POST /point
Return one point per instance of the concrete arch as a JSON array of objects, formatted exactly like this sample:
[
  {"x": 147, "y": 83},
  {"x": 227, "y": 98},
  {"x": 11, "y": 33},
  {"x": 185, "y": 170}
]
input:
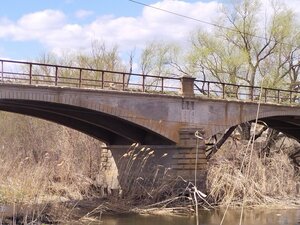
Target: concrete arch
[
  {"x": 285, "y": 119},
  {"x": 107, "y": 128},
  {"x": 145, "y": 116}
]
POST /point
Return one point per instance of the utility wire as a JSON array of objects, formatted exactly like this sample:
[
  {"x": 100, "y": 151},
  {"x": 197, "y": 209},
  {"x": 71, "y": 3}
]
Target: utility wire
[
  {"x": 208, "y": 23},
  {"x": 181, "y": 15}
]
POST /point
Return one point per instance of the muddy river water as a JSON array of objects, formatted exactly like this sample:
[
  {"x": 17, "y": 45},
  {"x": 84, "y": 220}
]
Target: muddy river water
[{"x": 213, "y": 217}]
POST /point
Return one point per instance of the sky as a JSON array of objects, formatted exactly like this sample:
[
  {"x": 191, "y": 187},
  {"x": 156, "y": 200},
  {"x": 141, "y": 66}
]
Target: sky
[{"x": 33, "y": 27}]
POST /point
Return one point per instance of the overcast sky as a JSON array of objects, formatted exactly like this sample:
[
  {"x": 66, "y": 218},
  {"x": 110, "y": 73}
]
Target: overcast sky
[{"x": 29, "y": 28}]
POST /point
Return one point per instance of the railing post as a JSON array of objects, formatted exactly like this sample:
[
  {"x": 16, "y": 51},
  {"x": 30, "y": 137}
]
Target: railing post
[
  {"x": 290, "y": 96},
  {"x": 162, "y": 85},
  {"x": 187, "y": 86},
  {"x": 143, "y": 83},
  {"x": 2, "y": 65},
  {"x": 208, "y": 90},
  {"x": 102, "y": 79},
  {"x": 223, "y": 90},
  {"x": 266, "y": 94},
  {"x": 80, "y": 77},
  {"x": 252, "y": 93},
  {"x": 278, "y": 96},
  {"x": 56, "y": 75},
  {"x": 30, "y": 73},
  {"x": 123, "y": 81}
]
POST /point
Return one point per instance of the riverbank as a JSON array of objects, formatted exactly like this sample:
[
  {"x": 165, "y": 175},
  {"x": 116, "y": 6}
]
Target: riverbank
[{"x": 96, "y": 210}]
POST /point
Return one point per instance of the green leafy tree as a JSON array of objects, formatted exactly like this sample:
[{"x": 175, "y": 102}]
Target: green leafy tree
[
  {"x": 100, "y": 57},
  {"x": 159, "y": 59},
  {"x": 248, "y": 50}
]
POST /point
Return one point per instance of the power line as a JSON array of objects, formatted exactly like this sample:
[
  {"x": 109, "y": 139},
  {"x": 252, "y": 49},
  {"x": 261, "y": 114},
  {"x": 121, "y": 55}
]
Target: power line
[
  {"x": 180, "y": 15},
  {"x": 206, "y": 22}
]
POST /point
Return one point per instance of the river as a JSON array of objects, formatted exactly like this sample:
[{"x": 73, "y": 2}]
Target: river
[{"x": 213, "y": 217}]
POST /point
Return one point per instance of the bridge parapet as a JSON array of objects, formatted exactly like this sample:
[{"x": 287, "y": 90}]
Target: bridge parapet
[{"x": 32, "y": 73}]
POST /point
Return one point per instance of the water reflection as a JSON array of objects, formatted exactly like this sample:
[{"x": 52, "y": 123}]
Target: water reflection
[{"x": 251, "y": 217}]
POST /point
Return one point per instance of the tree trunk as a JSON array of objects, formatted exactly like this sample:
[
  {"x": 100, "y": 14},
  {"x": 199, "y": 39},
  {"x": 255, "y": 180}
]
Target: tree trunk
[
  {"x": 271, "y": 141},
  {"x": 296, "y": 158},
  {"x": 218, "y": 145},
  {"x": 245, "y": 131}
]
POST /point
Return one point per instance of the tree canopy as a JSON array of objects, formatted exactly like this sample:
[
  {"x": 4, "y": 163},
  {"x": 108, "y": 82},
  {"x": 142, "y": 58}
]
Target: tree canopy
[{"x": 250, "y": 46}]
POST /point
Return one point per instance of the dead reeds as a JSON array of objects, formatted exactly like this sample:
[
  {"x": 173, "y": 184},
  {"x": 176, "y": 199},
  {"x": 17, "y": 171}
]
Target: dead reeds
[
  {"x": 270, "y": 180},
  {"x": 142, "y": 179},
  {"x": 41, "y": 163}
]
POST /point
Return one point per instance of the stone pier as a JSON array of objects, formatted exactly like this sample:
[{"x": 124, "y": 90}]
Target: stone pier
[
  {"x": 190, "y": 158},
  {"x": 178, "y": 160}
]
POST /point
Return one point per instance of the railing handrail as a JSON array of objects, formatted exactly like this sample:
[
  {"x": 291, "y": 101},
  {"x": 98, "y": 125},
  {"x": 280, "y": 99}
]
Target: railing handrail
[
  {"x": 140, "y": 74},
  {"x": 87, "y": 69},
  {"x": 246, "y": 86}
]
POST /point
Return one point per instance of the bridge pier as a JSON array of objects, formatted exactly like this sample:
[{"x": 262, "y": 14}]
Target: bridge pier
[
  {"x": 189, "y": 161},
  {"x": 168, "y": 162}
]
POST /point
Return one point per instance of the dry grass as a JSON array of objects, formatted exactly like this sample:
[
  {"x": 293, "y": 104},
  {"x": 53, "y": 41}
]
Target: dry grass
[
  {"x": 143, "y": 181},
  {"x": 42, "y": 162},
  {"x": 148, "y": 188},
  {"x": 235, "y": 178}
]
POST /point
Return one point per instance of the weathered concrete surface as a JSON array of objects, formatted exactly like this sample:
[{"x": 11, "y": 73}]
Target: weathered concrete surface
[{"x": 153, "y": 119}]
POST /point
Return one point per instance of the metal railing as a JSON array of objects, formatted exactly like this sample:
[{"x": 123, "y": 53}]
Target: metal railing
[
  {"x": 229, "y": 91},
  {"x": 32, "y": 73},
  {"x": 20, "y": 72}
]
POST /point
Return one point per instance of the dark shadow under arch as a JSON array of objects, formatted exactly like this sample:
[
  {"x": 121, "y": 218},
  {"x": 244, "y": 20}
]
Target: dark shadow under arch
[{"x": 289, "y": 125}]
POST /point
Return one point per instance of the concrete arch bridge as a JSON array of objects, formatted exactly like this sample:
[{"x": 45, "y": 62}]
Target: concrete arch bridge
[{"x": 163, "y": 112}]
